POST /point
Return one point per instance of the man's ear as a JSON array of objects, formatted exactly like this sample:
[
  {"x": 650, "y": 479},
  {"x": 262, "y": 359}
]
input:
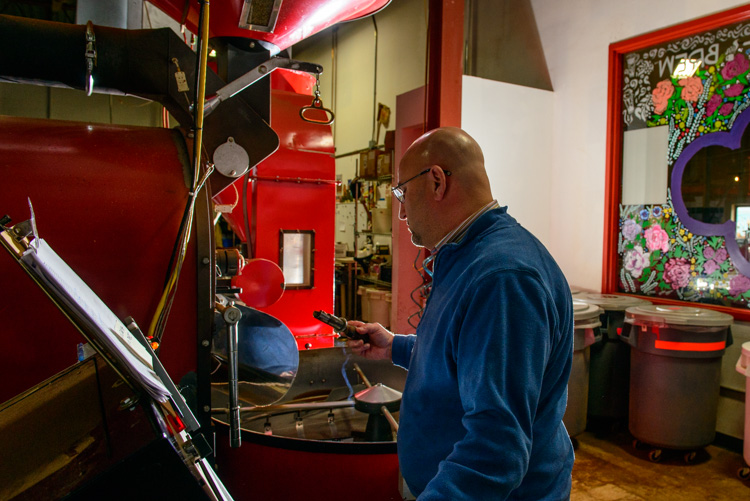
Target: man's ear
[{"x": 439, "y": 183}]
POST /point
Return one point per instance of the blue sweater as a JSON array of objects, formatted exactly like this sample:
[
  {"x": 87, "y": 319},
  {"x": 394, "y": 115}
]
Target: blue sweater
[{"x": 481, "y": 415}]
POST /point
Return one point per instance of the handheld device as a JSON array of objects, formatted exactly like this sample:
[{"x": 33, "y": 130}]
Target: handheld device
[{"x": 339, "y": 325}]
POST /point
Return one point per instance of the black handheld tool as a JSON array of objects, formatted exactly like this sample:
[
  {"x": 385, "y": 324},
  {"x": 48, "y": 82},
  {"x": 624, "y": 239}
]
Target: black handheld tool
[{"x": 339, "y": 325}]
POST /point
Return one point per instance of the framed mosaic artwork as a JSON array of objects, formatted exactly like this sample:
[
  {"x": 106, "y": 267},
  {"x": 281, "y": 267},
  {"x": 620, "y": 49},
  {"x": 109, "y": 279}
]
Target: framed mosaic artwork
[{"x": 677, "y": 215}]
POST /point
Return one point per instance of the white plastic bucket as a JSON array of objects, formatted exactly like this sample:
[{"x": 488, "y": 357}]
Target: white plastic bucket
[
  {"x": 743, "y": 367},
  {"x": 380, "y": 306},
  {"x": 362, "y": 293}
]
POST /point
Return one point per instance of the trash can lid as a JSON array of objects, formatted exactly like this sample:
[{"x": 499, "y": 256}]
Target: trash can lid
[
  {"x": 611, "y": 302},
  {"x": 678, "y": 315},
  {"x": 585, "y": 311}
]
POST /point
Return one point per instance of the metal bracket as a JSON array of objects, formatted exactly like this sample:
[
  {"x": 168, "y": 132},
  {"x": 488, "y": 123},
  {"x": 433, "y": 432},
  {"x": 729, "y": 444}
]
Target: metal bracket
[
  {"x": 252, "y": 76},
  {"x": 23, "y": 229},
  {"x": 90, "y": 55}
]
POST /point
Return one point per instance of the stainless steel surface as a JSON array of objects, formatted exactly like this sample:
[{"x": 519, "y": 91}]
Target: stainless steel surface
[
  {"x": 267, "y": 355},
  {"x": 316, "y": 421},
  {"x": 319, "y": 405}
]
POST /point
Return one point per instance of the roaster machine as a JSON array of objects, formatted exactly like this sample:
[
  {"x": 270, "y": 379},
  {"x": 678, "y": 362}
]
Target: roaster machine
[{"x": 113, "y": 202}]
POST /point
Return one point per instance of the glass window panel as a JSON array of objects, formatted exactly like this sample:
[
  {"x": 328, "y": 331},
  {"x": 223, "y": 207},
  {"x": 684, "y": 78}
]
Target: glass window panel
[{"x": 296, "y": 256}]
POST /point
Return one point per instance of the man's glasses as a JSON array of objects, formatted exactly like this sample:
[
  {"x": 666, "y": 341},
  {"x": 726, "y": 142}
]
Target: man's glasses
[{"x": 398, "y": 190}]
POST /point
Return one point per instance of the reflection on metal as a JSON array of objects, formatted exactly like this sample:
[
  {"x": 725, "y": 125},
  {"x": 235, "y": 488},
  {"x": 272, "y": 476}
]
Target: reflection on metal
[{"x": 268, "y": 357}]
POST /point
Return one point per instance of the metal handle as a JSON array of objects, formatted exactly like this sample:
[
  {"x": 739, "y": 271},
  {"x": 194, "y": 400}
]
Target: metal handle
[
  {"x": 232, "y": 315},
  {"x": 317, "y": 104}
]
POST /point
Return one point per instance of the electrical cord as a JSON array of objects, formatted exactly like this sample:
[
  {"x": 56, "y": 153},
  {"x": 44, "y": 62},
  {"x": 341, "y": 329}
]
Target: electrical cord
[
  {"x": 423, "y": 288},
  {"x": 158, "y": 322}
]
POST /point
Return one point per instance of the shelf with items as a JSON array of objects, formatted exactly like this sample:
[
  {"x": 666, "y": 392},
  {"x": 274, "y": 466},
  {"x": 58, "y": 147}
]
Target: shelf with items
[{"x": 372, "y": 234}]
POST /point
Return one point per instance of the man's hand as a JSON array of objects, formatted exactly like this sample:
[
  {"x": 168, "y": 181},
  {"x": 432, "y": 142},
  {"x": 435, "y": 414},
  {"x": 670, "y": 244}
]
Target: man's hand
[{"x": 379, "y": 347}]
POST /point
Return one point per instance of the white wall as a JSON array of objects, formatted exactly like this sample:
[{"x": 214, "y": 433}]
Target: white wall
[
  {"x": 576, "y": 35},
  {"x": 512, "y": 125},
  {"x": 402, "y": 35}
]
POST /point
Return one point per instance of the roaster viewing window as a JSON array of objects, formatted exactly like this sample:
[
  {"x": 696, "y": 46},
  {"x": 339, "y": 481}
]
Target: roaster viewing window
[{"x": 297, "y": 258}]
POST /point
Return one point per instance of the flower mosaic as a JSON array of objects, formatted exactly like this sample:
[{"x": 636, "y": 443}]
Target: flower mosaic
[
  {"x": 660, "y": 257},
  {"x": 709, "y": 101}
]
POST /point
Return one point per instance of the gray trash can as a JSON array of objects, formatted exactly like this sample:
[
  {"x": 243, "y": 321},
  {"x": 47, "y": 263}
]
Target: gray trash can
[
  {"x": 675, "y": 367},
  {"x": 586, "y": 333},
  {"x": 609, "y": 373}
]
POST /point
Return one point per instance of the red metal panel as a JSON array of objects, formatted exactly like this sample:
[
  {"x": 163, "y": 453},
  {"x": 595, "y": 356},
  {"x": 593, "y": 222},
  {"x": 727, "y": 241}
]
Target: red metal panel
[
  {"x": 109, "y": 200},
  {"x": 305, "y": 152},
  {"x": 297, "y": 20},
  {"x": 256, "y": 471}
]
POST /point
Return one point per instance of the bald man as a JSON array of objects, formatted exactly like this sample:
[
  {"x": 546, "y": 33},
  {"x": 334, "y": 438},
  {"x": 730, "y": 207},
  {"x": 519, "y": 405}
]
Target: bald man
[{"x": 481, "y": 415}]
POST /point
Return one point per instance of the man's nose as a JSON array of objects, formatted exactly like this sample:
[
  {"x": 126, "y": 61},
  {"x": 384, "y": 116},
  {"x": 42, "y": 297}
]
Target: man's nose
[{"x": 402, "y": 211}]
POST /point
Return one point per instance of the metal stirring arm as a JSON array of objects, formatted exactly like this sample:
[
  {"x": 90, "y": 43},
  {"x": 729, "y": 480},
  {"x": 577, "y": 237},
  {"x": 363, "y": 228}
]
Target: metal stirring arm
[
  {"x": 253, "y": 76},
  {"x": 232, "y": 316}
]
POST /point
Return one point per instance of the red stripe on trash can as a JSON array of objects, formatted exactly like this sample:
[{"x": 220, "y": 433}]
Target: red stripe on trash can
[{"x": 678, "y": 346}]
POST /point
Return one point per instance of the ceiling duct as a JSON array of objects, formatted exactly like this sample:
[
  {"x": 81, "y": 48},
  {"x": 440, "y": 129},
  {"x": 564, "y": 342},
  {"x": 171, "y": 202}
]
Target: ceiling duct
[
  {"x": 260, "y": 15},
  {"x": 503, "y": 44}
]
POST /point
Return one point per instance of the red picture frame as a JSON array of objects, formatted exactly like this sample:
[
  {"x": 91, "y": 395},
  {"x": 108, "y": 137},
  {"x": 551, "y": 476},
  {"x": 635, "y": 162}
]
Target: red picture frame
[{"x": 613, "y": 175}]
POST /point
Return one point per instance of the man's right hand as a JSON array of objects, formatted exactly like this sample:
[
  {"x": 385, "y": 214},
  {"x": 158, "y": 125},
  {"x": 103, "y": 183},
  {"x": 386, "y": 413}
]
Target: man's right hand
[{"x": 379, "y": 347}]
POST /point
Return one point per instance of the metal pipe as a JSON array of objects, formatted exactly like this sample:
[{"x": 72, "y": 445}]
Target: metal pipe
[
  {"x": 201, "y": 90},
  {"x": 375, "y": 85},
  {"x": 298, "y": 180},
  {"x": 357, "y": 152},
  {"x": 232, "y": 315},
  {"x": 389, "y": 417},
  {"x": 362, "y": 375},
  {"x": 308, "y": 406}
]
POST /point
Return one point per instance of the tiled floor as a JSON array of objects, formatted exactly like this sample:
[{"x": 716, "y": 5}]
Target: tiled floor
[{"x": 609, "y": 468}]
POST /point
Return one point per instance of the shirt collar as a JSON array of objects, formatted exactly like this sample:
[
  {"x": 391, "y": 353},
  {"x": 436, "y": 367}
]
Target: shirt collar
[{"x": 457, "y": 234}]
